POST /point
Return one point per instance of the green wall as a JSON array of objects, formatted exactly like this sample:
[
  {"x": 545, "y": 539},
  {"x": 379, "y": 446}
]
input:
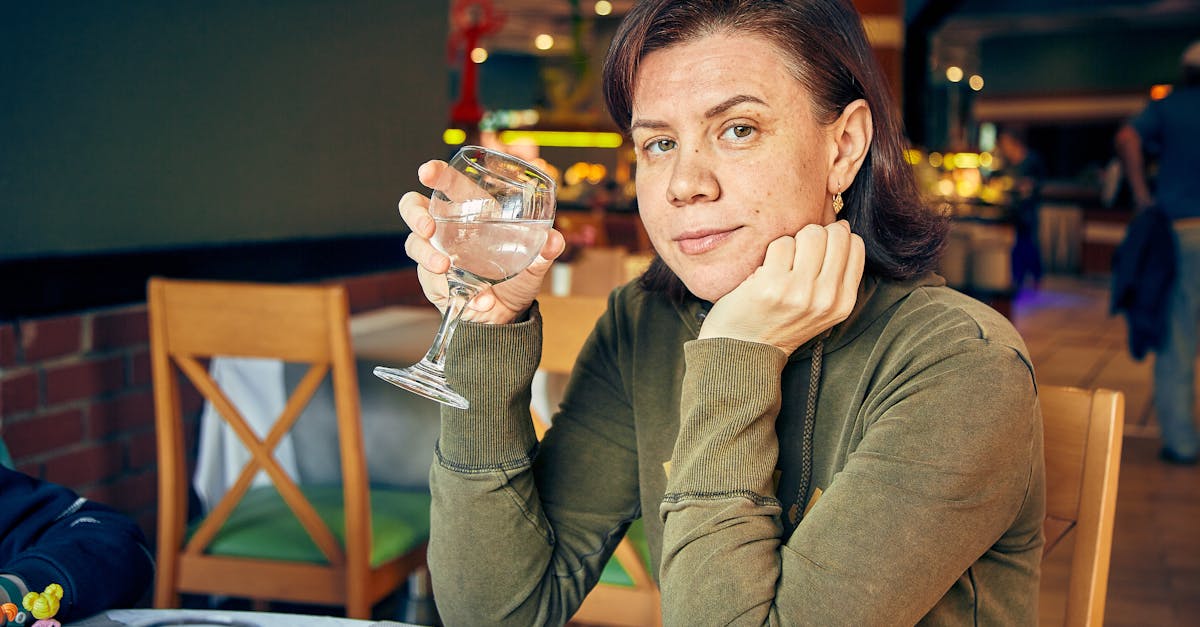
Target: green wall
[
  {"x": 1101, "y": 61},
  {"x": 149, "y": 124}
]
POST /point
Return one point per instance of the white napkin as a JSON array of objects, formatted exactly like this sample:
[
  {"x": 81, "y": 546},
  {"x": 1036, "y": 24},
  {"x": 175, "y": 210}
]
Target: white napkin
[{"x": 256, "y": 389}]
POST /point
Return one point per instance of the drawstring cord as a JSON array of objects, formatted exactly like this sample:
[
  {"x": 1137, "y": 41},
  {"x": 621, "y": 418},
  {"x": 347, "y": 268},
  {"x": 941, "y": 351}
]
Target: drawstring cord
[{"x": 806, "y": 446}]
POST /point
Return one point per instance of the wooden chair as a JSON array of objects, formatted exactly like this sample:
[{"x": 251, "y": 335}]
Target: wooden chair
[
  {"x": 1083, "y": 454},
  {"x": 626, "y": 593},
  {"x": 342, "y": 545}
]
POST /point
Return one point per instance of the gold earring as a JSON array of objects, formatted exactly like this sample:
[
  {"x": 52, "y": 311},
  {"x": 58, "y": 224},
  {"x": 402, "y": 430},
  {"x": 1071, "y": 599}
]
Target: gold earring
[{"x": 837, "y": 203}]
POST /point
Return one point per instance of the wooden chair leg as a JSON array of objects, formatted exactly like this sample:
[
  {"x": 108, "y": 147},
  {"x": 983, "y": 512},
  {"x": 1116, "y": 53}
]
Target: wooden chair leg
[{"x": 165, "y": 596}]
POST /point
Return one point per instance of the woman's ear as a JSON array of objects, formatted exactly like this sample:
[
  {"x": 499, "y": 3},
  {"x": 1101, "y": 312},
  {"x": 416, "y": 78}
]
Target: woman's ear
[{"x": 851, "y": 138}]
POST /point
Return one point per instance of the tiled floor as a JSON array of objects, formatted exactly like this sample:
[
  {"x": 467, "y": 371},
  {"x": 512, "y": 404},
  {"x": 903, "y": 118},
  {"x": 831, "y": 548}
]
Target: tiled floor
[{"x": 1155, "y": 570}]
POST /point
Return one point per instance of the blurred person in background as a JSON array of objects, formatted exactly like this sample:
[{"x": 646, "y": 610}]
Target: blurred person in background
[
  {"x": 1027, "y": 171},
  {"x": 1169, "y": 130},
  {"x": 812, "y": 427}
]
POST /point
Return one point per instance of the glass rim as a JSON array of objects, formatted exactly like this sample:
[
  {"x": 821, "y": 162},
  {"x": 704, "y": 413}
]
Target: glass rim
[{"x": 551, "y": 185}]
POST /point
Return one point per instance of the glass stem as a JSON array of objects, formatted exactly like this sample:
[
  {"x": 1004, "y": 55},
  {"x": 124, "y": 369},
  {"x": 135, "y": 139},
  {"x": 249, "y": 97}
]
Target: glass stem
[{"x": 460, "y": 294}]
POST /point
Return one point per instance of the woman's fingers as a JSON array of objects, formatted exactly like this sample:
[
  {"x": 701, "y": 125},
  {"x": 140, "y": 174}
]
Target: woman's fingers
[
  {"x": 837, "y": 249},
  {"x": 554, "y": 246},
  {"x": 414, "y": 210},
  {"x": 811, "y": 244},
  {"x": 781, "y": 253},
  {"x": 421, "y": 251},
  {"x": 829, "y": 289},
  {"x": 429, "y": 172}
]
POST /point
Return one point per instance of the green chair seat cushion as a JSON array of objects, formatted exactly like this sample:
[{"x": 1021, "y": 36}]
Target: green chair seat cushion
[
  {"x": 614, "y": 574},
  {"x": 263, "y": 526}
]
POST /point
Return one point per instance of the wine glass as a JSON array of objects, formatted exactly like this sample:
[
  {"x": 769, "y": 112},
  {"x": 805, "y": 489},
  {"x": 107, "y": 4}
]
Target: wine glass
[{"x": 493, "y": 213}]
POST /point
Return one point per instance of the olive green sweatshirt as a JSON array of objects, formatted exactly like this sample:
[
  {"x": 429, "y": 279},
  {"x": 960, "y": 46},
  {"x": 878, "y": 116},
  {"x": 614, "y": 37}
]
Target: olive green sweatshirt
[{"x": 926, "y": 452}]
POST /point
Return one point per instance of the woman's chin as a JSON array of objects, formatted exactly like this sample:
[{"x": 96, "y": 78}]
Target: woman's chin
[{"x": 712, "y": 287}]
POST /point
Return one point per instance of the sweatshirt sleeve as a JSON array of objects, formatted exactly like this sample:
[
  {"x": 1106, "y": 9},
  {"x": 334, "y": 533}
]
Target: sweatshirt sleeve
[
  {"x": 942, "y": 467},
  {"x": 98, "y": 555},
  {"x": 520, "y": 531}
]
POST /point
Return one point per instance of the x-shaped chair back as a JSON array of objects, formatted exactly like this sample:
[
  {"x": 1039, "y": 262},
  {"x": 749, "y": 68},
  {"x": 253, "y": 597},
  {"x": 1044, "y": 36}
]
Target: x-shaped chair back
[{"x": 193, "y": 320}]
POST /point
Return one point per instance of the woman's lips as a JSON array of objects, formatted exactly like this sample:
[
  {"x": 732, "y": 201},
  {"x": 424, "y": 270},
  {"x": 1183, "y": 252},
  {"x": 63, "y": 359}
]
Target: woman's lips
[{"x": 700, "y": 242}]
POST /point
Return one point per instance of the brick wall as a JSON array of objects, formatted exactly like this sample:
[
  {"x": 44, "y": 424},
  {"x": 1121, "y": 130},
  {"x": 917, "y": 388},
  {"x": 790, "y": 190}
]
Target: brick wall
[{"x": 76, "y": 400}]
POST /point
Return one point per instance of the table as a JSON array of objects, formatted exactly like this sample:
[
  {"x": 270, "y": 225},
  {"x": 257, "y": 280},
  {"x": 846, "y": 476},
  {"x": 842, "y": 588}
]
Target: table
[{"x": 209, "y": 618}]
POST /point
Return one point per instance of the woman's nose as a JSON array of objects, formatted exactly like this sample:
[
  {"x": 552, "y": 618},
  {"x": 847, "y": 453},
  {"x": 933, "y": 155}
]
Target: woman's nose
[{"x": 692, "y": 179}]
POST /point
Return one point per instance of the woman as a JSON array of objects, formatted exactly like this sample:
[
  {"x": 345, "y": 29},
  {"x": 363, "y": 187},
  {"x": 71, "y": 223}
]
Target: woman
[{"x": 807, "y": 441}]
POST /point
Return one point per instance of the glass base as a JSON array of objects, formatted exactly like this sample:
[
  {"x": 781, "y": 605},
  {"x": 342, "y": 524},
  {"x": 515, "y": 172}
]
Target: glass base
[{"x": 424, "y": 381}]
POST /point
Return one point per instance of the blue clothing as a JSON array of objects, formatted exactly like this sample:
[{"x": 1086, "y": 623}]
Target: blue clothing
[
  {"x": 1026, "y": 253},
  {"x": 1175, "y": 365},
  {"x": 48, "y": 534},
  {"x": 1143, "y": 275},
  {"x": 1170, "y": 129}
]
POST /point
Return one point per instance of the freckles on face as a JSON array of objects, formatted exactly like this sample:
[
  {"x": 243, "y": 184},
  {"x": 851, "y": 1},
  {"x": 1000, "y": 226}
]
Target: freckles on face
[{"x": 730, "y": 157}]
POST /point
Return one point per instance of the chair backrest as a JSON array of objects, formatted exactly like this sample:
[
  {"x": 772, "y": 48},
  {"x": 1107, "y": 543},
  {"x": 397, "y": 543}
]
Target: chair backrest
[
  {"x": 567, "y": 322},
  {"x": 1083, "y": 430},
  {"x": 192, "y": 320}
]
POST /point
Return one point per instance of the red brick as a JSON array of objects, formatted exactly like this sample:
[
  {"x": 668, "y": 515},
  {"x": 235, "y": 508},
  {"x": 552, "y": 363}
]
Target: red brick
[
  {"x": 190, "y": 399},
  {"x": 119, "y": 328},
  {"x": 45, "y": 433},
  {"x": 132, "y": 411},
  {"x": 408, "y": 288},
  {"x": 148, "y": 521},
  {"x": 397, "y": 287},
  {"x": 142, "y": 450},
  {"x": 51, "y": 337},
  {"x": 86, "y": 466},
  {"x": 8, "y": 344},
  {"x": 18, "y": 392},
  {"x": 32, "y": 469},
  {"x": 84, "y": 379},
  {"x": 364, "y": 292},
  {"x": 139, "y": 368},
  {"x": 129, "y": 493}
]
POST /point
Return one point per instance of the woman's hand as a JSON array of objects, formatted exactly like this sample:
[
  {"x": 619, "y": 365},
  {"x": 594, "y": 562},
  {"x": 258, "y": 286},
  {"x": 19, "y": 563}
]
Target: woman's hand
[
  {"x": 806, "y": 284},
  {"x": 498, "y": 304}
]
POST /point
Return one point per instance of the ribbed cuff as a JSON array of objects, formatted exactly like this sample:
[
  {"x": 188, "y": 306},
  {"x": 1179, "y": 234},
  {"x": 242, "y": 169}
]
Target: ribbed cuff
[
  {"x": 727, "y": 445},
  {"x": 12, "y": 589},
  {"x": 492, "y": 365}
]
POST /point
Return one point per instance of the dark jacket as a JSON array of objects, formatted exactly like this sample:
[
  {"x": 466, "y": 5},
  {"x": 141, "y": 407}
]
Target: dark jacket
[
  {"x": 1142, "y": 275},
  {"x": 48, "y": 534}
]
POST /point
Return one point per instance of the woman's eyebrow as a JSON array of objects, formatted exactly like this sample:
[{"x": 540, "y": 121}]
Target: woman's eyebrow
[
  {"x": 730, "y": 103},
  {"x": 718, "y": 109},
  {"x": 654, "y": 125}
]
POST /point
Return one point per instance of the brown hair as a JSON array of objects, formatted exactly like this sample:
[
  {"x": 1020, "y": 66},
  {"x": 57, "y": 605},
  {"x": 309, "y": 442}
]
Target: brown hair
[{"x": 827, "y": 50}]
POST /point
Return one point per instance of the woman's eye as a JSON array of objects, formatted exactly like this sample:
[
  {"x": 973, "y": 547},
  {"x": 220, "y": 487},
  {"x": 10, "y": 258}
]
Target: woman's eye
[
  {"x": 660, "y": 146},
  {"x": 739, "y": 131}
]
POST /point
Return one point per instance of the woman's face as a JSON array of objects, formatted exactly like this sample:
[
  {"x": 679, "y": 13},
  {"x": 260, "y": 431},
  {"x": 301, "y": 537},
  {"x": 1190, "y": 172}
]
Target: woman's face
[{"x": 729, "y": 158}]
